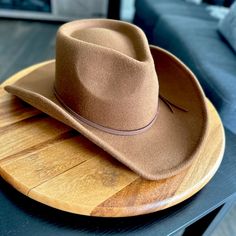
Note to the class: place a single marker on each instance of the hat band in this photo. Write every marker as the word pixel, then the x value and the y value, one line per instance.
pixel 101 127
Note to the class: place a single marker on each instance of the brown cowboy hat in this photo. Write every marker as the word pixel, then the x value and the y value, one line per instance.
pixel 139 103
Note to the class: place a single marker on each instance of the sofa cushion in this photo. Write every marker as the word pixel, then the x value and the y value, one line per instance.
pixel 148 12
pixel 227 27
pixel 198 44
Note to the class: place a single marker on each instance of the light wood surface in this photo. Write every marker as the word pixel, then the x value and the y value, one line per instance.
pixel 55 165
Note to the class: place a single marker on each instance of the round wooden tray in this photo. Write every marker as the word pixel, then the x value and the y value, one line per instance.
pixel 55 165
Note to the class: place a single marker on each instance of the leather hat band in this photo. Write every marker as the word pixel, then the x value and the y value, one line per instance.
pixel 101 127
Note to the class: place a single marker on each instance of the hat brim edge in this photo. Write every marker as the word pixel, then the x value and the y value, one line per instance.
pixel 64 117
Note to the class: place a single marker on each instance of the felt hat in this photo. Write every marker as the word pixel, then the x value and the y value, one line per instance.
pixel 137 102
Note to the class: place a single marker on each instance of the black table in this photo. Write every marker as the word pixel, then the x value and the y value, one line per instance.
pixel 25 43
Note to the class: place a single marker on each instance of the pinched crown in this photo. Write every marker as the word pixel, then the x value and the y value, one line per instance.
pixel 106 75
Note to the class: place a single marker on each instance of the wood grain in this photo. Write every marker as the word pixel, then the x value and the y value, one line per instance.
pixel 53 164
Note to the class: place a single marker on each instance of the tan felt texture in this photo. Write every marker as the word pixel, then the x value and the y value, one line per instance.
pixel 137 102
pixel 55 165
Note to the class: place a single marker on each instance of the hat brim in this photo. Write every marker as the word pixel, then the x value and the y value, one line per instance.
pixel 167 147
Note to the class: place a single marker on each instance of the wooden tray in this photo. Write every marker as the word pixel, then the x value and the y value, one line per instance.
pixel 55 165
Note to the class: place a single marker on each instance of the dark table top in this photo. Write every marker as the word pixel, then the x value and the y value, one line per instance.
pixel 24 43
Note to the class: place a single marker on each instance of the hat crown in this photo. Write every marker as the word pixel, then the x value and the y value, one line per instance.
pixel 105 73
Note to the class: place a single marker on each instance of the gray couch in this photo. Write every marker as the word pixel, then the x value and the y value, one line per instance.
pixel 188 31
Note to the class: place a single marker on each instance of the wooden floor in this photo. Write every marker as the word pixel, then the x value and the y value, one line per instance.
pixel 23 43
